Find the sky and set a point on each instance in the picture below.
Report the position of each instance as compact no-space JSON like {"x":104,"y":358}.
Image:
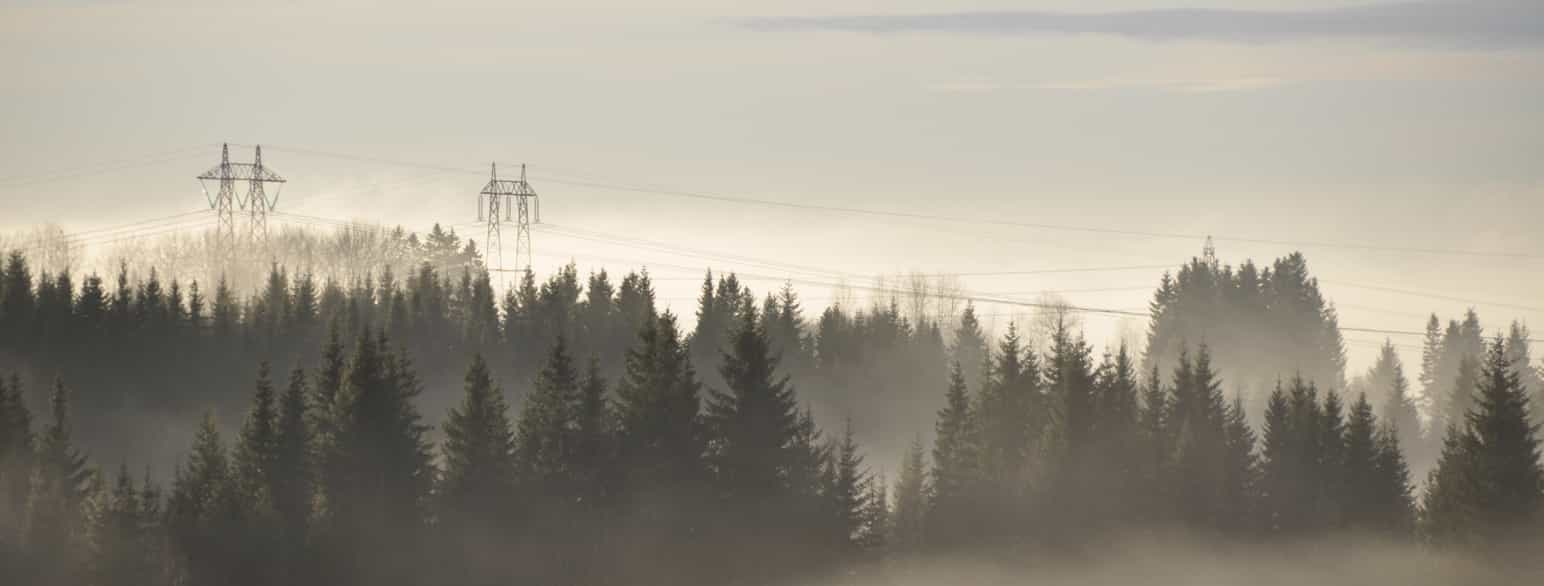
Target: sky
{"x":1394,"y":143}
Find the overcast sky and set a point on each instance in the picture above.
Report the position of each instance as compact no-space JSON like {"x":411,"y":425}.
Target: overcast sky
{"x":1397,"y":125}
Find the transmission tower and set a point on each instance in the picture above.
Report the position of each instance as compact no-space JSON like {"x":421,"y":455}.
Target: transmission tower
{"x":258,"y":203}
{"x":494,"y":205}
{"x":225,"y":201}
{"x":1209,"y":253}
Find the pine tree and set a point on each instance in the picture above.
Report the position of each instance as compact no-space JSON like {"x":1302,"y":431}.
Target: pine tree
{"x":1507,"y":443}
{"x":1011,"y":414}
{"x":1069,"y":378}
{"x":1396,"y":505}
{"x":954,"y":461}
{"x":1332,"y":456}
{"x":60,"y":487}
{"x":16,"y":458}
{"x":970,"y":346}
{"x":659,"y":427}
{"x":1519,"y":352}
{"x":17,"y":304}
{"x":752,"y":424}
{"x":1488,"y":484}
{"x":544,"y":432}
{"x":1363,"y":485}
{"x":203,"y":511}
{"x":1461,"y":392}
{"x":1153,"y":429}
{"x":1197,"y":416}
{"x":1279,"y":481}
{"x":1400,"y":410}
{"x":257,"y":448}
{"x":293,"y":477}
{"x":592,"y":445}
{"x":911,"y":500}
{"x":124,"y":535}
{"x":849,"y":490}
{"x":376,"y":462}
{"x":1451,"y":504}
{"x":1240,"y":468}
{"x":877,"y":524}
{"x":1431,"y":357}
{"x":478,"y":452}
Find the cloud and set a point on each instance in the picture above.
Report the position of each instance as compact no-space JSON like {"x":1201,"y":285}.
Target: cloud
{"x":1184,"y":86}
{"x":1484,"y":23}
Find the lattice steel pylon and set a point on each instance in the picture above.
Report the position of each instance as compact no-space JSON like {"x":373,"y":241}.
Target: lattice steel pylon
{"x":1209,"y":253}
{"x":258,"y":203}
{"x":225,"y":201}
{"x":494,"y":205}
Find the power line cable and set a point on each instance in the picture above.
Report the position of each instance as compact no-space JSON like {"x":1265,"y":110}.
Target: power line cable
{"x":737,"y":199}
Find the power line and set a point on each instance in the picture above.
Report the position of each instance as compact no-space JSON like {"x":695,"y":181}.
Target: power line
{"x":108,"y":167}
{"x":688,"y":251}
{"x":737,"y":199}
{"x":1059,"y":271}
{"x":1433,"y":295}
{"x":95,"y":236}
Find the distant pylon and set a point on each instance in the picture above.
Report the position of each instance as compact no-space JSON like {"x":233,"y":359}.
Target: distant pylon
{"x":493,"y":207}
{"x":224,"y":201}
{"x":1209,"y":253}
{"x":256,"y":203}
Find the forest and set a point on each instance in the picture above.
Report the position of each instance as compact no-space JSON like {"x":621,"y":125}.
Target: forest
{"x":413,"y":425}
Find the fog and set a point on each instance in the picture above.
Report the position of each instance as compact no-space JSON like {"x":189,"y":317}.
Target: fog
{"x":814,"y":293}
{"x":1179,"y":559}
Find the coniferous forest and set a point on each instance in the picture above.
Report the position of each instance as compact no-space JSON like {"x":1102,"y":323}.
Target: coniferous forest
{"x":426,"y":428}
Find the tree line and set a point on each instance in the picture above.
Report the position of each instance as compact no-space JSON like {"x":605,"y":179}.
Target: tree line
{"x":674,"y":456}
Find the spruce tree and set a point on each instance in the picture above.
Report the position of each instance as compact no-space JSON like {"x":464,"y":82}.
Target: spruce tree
{"x":659,"y":427}
{"x":257,"y":448}
{"x":1507,"y":445}
{"x":1488,"y":485}
{"x":1461,"y":392}
{"x":1279,"y":481}
{"x":124,"y":536}
{"x":203,"y":512}
{"x":544,"y":433}
{"x":970,"y":346}
{"x":848,"y":490}
{"x":911,"y":500}
{"x":17,"y":304}
{"x":1450,"y":506}
{"x":592,"y":446}
{"x":954,"y":461}
{"x":1363,"y":485}
{"x":1396,"y":505}
{"x":1519,"y":352}
{"x":16,"y":458}
{"x":376,"y":462}
{"x":752,"y":423}
{"x":1010,"y":415}
{"x":1197,"y":416}
{"x":478,"y":452}
{"x":1153,"y":428}
{"x":1240,"y":468}
{"x":1400,"y":411}
{"x":291,"y":482}
{"x":1332,"y":455}
{"x":878,"y":523}
{"x":61,"y":484}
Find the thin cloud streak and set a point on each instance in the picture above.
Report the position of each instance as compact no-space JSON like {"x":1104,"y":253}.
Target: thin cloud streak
{"x":1184,"y":86}
{"x":1481,"y":23}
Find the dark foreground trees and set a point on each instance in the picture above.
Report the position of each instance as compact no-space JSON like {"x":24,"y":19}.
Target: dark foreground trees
{"x":621,"y":464}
